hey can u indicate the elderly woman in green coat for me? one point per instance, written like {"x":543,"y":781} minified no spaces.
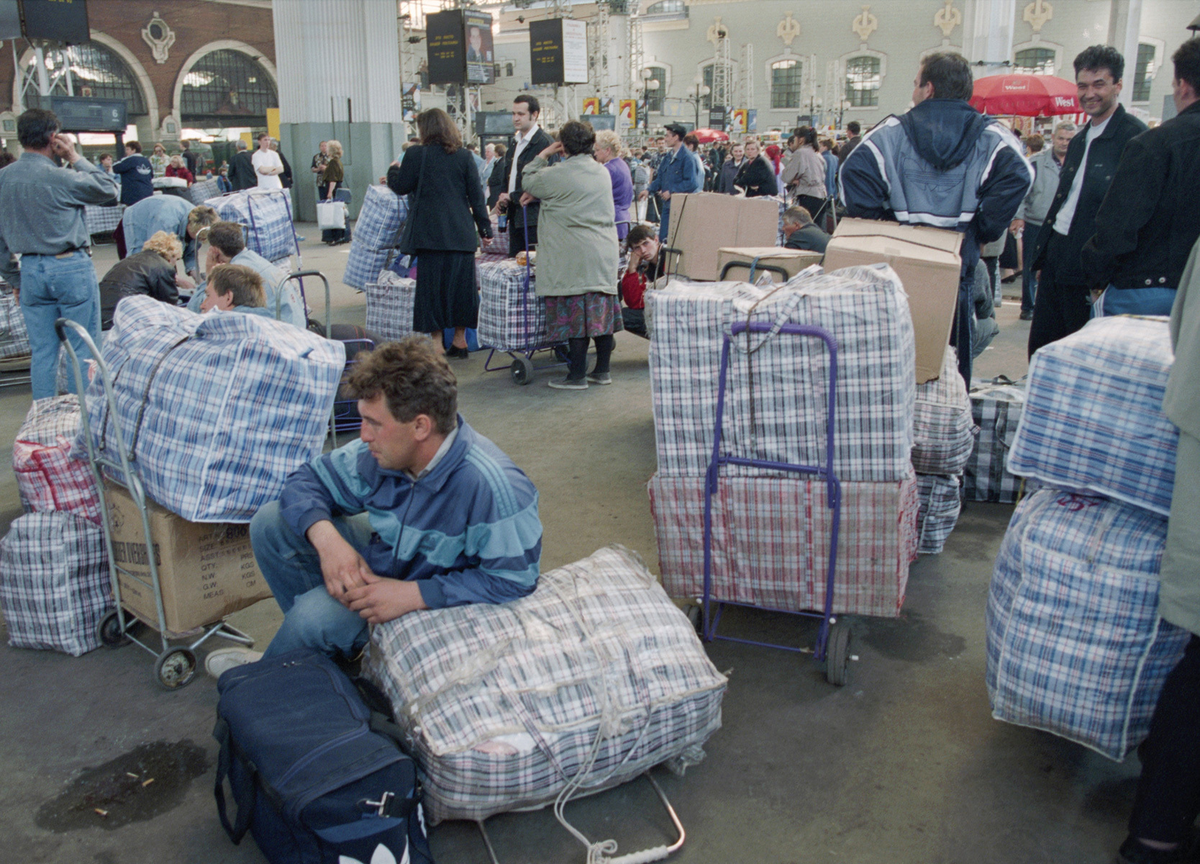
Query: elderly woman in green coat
{"x":577,"y":252}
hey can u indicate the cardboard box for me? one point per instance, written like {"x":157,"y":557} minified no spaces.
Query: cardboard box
{"x":791,"y":260}
{"x":207,"y":570}
{"x":928,"y":264}
{"x":703,"y":222}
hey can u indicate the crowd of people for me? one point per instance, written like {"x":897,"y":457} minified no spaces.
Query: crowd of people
{"x":1107,"y":219}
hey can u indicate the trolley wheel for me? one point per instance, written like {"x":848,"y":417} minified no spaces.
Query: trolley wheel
{"x":175,"y":668}
{"x":837,"y":655}
{"x":522,"y":370}
{"x":695,"y":615}
{"x":108,"y":631}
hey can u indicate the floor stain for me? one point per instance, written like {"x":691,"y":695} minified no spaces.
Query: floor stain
{"x":139,"y":785}
{"x":911,"y":638}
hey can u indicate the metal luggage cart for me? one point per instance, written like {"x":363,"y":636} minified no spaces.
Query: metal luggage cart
{"x":833,"y":639}
{"x":175,"y":665}
{"x":521,"y":369}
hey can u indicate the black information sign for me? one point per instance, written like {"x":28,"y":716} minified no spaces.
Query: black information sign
{"x":546,"y":51}
{"x":493,"y":123}
{"x":10,"y":19}
{"x":81,"y":114}
{"x":716,"y":118}
{"x":447,"y":51}
{"x":56,"y":20}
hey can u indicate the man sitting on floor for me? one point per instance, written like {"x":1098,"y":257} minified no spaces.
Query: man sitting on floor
{"x":227,"y":245}
{"x":235,"y":288}
{"x":644,"y":265}
{"x":422,"y":512}
{"x":801,"y":232}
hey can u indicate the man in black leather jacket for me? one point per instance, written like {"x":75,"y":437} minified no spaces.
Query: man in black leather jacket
{"x":1149,"y":220}
{"x":530,"y":140}
{"x":1063,"y":300}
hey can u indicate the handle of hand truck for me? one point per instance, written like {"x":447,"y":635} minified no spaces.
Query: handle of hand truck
{"x":644,"y":857}
{"x":753,"y":267}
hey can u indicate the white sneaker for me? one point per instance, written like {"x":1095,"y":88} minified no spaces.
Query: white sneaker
{"x":224,"y":659}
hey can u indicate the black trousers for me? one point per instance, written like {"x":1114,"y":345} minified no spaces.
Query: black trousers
{"x":516,"y":237}
{"x":1061,"y":306}
{"x":1168,"y":795}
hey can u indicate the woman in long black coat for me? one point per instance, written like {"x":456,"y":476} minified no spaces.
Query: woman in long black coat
{"x":446,"y":197}
{"x":756,"y":175}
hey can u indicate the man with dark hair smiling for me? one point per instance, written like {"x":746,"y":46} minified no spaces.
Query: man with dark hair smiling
{"x":41,"y":219}
{"x":942,"y":164}
{"x":1063,"y":302}
{"x":529,"y":140}
{"x":421,"y":512}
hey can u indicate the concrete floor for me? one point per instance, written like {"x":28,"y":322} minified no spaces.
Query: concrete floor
{"x":904,"y":765}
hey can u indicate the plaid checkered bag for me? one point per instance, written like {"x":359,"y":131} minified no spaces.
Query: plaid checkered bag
{"x":48,"y":479}
{"x":203,"y":191}
{"x":390,"y":305}
{"x":102,"y":220}
{"x":364,"y":265}
{"x":785,"y":378}
{"x":216,"y":410}
{"x":1074,"y":642}
{"x":380,"y":219}
{"x":771,"y":542}
{"x":498,"y":244}
{"x":996,"y":410}
{"x":511,"y":318}
{"x":943,"y":428}
{"x":1093,"y":418}
{"x":54,"y":584}
{"x":502,"y":705}
{"x":14,"y":339}
{"x":267,"y":216}
{"x":939,"y":505}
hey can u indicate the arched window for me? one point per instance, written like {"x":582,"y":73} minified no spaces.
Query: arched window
{"x":654,"y":98}
{"x":1034,"y":61}
{"x":226,"y":84}
{"x":862,"y":81}
{"x":785,"y":83}
{"x":667,"y":7}
{"x":99,"y":72}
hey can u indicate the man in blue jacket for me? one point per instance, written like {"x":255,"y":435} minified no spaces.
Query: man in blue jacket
{"x":136,"y":176}
{"x":421,"y":512}
{"x":677,"y":172}
{"x":945,"y":165}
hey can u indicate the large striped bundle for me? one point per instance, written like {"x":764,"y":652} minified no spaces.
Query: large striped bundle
{"x":1093,"y":417}
{"x":14,"y":338}
{"x":54,"y":583}
{"x":1074,"y":642}
{"x":996,"y":410}
{"x":777,"y":386}
{"x":203,"y":191}
{"x":48,"y":478}
{"x":771,"y":538}
{"x":390,"y":305}
{"x":938,"y":510}
{"x":102,"y":220}
{"x":266,"y":215}
{"x":376,"y":235}
{"x":511,"y":315}
{"x":217,"y":409}
{"x":943,"y":430}
{"x":502,"y":705}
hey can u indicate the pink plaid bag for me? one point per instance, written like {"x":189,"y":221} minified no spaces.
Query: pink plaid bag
{"x":48,"y":479}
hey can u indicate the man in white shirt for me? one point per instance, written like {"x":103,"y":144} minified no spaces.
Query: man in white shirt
{"x":1063,"y":301}
{"x":528,"y":141}
{"x":267,"y":164}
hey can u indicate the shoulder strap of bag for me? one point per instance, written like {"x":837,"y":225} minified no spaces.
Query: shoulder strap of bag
{"x":244,"y":802}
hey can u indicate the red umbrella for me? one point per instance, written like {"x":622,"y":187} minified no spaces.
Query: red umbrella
{"x":1024,"y":96}
{"x":708,"y":136}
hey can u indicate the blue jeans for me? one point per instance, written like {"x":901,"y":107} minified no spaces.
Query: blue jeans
{"x":53,"y":288}
{"x":291,"y":566}
{"x":1134,"y":301}
{"x":1028,"y":280}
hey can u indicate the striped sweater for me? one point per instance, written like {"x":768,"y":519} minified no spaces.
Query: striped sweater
{"x":466,"y":532}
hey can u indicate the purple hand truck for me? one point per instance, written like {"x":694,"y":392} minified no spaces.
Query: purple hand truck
{"x":833,"y":639}
{"x":521,"y":368}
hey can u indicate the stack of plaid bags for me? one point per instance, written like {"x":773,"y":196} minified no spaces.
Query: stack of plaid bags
{"x":390,"y":305}
{"x":943,"y":439}
{"x":511,"y":316}
{"x":54,"y":581}
{"x":376,"y":235}
{"x":267,"y":218}
{"x":216,"y":410}
{"x":594,"y":678}
{"x":1075,"y":645}
{"x":771,"y":529}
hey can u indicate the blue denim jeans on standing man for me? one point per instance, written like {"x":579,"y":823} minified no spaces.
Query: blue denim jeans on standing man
{"x":291,"y":566}
{"x":54,"y":287}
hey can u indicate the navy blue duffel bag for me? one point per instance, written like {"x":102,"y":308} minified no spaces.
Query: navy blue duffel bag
{"x":315,"y":774}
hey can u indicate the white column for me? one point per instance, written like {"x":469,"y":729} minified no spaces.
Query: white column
{"x":1124,"y":28}
{"x":988,"y":35}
